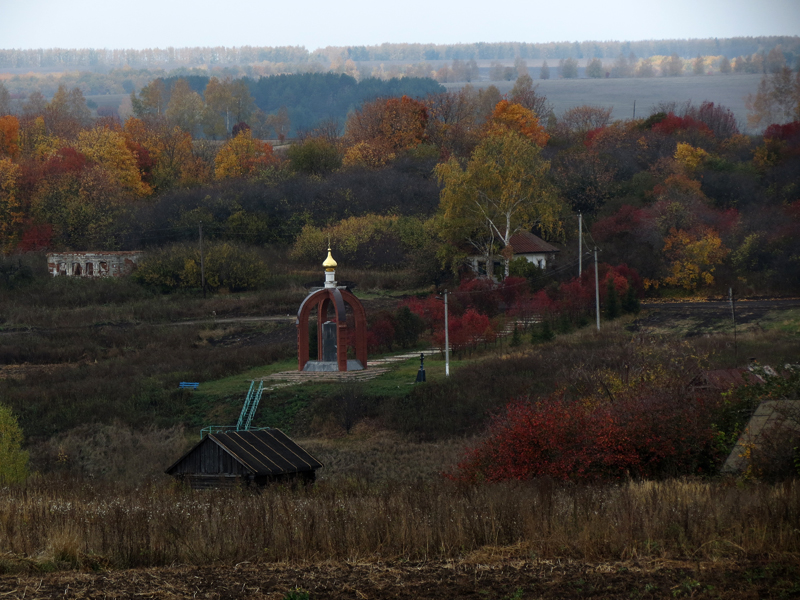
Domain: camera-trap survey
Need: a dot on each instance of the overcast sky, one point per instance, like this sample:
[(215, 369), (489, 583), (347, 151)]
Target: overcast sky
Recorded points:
[(316, 24)]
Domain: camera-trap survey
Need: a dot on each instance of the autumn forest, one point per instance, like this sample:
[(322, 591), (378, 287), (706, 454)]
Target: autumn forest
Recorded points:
[(682, 196)]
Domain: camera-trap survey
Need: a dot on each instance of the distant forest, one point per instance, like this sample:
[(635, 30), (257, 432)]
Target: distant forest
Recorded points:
[(312, 98), (206, 57)]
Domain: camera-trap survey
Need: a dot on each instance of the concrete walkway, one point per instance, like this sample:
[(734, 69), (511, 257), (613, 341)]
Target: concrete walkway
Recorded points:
[(375, 368), (769, 413)]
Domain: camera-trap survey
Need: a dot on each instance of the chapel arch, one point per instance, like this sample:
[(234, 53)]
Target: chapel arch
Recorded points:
[(337, 335)]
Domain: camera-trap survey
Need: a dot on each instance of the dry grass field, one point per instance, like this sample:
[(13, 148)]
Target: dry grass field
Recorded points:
[(680, 538)]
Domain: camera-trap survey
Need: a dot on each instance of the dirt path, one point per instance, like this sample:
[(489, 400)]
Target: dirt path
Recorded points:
[(699, 318), (482, 579)]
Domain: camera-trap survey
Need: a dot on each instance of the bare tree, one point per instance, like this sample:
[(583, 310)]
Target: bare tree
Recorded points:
[(524, 93)]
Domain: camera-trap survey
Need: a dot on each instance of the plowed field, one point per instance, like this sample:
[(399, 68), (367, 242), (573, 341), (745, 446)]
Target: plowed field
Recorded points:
[(488, 579)]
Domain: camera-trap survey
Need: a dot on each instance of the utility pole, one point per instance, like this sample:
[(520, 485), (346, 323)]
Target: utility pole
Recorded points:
[(202, 263), (446, 339), (634, 109), (580, 244), (733, 316), (596, 290)]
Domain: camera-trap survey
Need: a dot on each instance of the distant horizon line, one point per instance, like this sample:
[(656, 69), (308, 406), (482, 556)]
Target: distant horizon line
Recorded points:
[(303, 46)]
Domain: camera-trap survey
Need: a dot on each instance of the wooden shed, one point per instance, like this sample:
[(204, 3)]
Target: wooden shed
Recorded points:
[(245, 457), (723, 380)]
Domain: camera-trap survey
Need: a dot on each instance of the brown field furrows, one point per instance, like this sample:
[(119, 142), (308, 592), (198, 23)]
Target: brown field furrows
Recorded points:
[(490, 577)]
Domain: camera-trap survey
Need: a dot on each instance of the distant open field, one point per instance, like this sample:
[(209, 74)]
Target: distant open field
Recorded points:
[(620, 94)]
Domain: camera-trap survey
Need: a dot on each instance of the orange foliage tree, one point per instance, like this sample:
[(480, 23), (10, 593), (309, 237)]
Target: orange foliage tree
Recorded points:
[(9, 136), (243, 156), (384, 127), (508, 115)]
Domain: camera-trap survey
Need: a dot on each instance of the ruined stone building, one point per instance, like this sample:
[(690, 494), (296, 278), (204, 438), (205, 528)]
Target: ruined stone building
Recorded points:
[(92, 264)]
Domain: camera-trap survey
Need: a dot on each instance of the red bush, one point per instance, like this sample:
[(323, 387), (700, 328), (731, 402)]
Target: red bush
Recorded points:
[(511, 288), (430, 310), (466, 331), (644, 433), (380, 335), (626, 220), (591, 134), (790, 132), (672, 123), (481, 294)]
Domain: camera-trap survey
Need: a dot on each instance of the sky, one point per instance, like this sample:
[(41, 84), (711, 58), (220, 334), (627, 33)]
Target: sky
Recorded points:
[(317, 24)]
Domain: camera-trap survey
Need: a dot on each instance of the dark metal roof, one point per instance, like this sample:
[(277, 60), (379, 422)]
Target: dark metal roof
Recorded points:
[(725, 379), (265, 452)]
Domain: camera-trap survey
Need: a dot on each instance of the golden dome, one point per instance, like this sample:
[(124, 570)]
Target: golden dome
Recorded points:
[(329, 263)]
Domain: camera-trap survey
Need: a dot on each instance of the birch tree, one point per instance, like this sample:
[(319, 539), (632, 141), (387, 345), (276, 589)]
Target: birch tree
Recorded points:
[(502, 190)]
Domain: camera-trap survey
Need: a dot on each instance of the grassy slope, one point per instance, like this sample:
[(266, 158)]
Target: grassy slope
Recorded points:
[(100, 353)]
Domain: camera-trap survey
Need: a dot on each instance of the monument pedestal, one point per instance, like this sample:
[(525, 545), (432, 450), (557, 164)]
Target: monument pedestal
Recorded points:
[(332, 365)]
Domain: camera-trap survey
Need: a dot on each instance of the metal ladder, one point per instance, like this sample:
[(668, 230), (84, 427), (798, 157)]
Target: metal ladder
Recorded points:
[(250, 406)]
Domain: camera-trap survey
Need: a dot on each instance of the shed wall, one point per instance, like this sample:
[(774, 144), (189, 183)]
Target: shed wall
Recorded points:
[(209, 459)]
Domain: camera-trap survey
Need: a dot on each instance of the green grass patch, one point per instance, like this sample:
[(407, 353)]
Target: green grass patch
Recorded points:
[(785, 321)]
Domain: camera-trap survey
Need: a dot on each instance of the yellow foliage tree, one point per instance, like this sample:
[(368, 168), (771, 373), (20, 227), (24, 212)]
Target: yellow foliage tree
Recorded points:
[(35, 142), (169, 147), (10, 209), (693, 257), (366, 154), (86, 209), (243, 156), (107, 149), (347, 236), (185, 108), (690, 157)]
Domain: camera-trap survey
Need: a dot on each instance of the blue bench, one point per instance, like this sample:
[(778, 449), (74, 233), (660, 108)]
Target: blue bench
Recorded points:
[(186, 385)]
